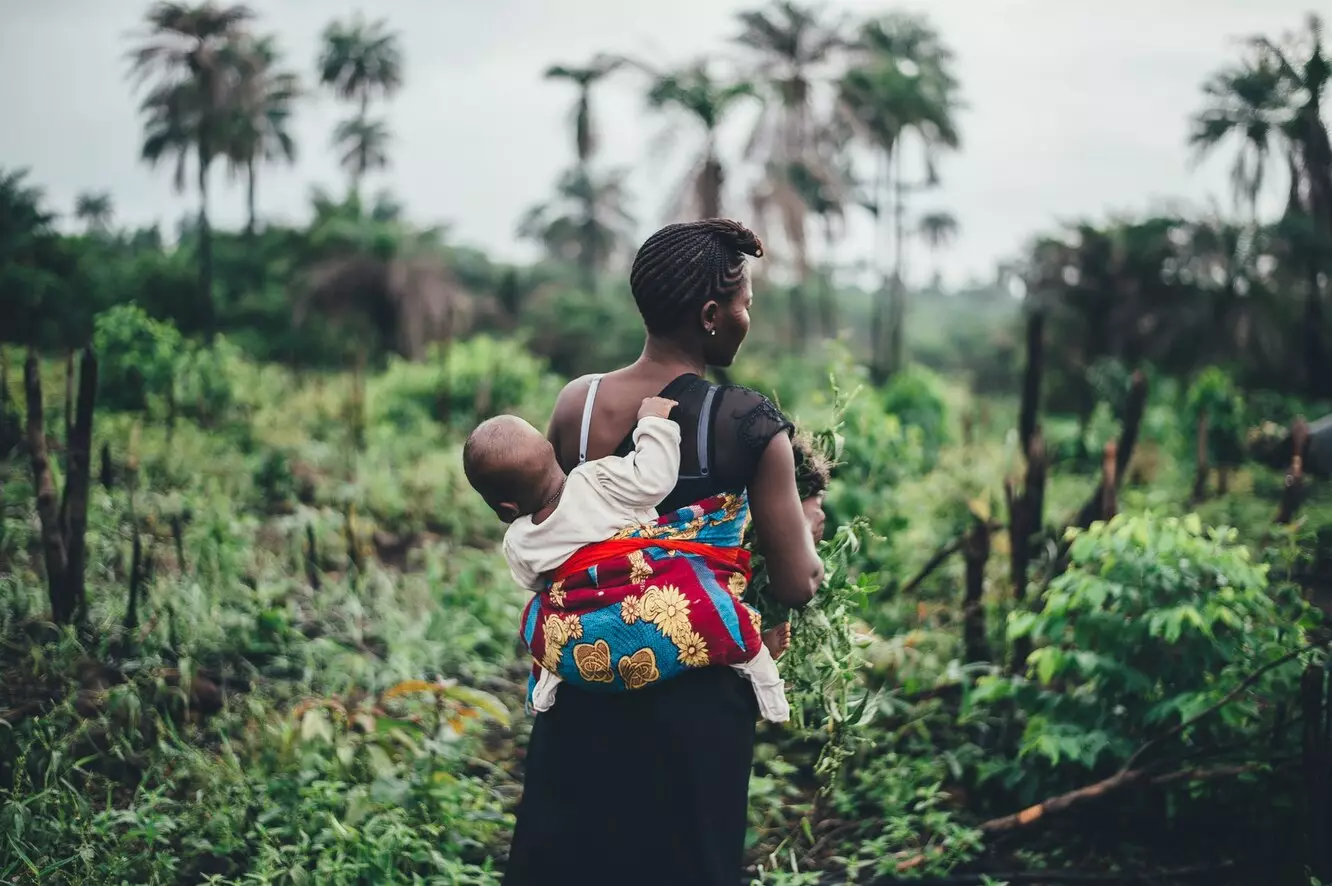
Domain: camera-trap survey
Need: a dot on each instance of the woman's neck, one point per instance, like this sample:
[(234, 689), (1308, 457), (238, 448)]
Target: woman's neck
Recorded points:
[(673, 356)]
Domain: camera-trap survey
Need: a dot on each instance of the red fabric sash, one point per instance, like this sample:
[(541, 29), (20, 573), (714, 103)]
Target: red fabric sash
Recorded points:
[(732, 559)]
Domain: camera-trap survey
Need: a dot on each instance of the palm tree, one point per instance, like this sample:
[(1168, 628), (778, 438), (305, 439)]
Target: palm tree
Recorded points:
[(1244, 105), (579, 183), (938, 229), (588, 222), (901, 84), (364, 146), (360, 59), (790, 43), (1275, 96), (94, 209), (183, 49), (259, 113), (584, 78), (707, 101)]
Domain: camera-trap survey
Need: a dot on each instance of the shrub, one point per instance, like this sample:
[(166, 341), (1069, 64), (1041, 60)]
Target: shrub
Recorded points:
[(1155, 620), (137, 358), (462, 384), (205, 381), (916, 397)]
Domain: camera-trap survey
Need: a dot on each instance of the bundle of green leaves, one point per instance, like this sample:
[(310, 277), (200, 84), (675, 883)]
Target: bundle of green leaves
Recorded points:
[(823, 666)]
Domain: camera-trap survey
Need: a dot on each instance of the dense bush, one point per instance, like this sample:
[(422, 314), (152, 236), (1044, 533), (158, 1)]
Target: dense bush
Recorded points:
[(916, 396), (138, 357), (1155, 621)]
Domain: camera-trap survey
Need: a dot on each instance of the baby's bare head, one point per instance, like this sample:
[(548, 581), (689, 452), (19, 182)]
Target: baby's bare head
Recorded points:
[(509, 463)]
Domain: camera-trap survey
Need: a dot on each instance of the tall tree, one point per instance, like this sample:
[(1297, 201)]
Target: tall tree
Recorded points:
[(581, 183), (938, 230), (184, 50), (1275, 95), (95, 210), (791, 44), (706, 100), (901, 83), (364, 146), (259, 113), (588, 221), (358, 61)]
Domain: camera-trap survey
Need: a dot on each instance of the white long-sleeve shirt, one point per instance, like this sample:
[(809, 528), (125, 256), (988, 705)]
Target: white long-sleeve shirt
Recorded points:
[(600, 499)]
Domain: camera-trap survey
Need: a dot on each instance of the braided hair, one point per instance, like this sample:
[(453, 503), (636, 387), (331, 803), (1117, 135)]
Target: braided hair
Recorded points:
[(683, 266)]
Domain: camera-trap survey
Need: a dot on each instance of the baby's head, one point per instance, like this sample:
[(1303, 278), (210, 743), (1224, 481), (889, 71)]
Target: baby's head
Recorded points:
[(512, 465)]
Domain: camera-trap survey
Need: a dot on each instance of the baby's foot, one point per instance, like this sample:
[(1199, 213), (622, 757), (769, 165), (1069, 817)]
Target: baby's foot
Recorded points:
[(778, 639)]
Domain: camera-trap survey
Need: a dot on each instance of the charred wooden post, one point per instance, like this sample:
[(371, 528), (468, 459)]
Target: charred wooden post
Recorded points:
[(48, 508), (1109, 481), (63, 519), (107, 472), (178, 539), (1200, 475), (69, 393), (976, 553), (1029, 412), (311, 558), (74, 505), (1026, 519), (1293, 494)]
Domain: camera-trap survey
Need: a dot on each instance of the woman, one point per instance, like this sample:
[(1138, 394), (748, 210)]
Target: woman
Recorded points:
[(651, 786)]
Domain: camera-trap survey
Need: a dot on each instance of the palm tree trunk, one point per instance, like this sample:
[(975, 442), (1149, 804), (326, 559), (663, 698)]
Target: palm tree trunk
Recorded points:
[(878, 365), (710, 185), (897, 356), (205, 242), (250, 176)]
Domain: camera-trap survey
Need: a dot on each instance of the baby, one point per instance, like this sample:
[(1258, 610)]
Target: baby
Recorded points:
[(551, 516)]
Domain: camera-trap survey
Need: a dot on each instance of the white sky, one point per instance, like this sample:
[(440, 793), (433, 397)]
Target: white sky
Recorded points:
[(1075, 109)]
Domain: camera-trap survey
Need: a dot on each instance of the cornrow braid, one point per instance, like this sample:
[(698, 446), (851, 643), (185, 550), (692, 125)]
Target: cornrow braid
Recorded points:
[(682, 266)]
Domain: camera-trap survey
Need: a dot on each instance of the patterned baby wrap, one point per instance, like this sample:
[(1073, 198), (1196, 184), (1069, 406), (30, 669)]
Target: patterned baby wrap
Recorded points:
[(651, 603)]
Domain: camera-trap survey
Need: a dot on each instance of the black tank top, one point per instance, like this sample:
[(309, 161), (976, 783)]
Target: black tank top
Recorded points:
[(723, 432)]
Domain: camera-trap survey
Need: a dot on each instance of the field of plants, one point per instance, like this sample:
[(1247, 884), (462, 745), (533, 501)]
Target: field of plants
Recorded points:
[(293, 657), (255, 627)]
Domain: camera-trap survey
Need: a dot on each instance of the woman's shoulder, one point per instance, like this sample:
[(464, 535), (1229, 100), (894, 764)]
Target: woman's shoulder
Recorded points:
[(751, 416), (569, 403)]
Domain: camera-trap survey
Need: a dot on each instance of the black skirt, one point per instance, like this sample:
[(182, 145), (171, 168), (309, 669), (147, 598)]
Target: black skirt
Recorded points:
[(644, 788)]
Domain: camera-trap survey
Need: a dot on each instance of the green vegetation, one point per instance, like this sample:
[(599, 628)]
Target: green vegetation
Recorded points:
[(254, 626)]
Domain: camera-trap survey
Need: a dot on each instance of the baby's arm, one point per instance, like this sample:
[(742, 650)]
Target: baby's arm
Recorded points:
[(647, 475), (521, 570)]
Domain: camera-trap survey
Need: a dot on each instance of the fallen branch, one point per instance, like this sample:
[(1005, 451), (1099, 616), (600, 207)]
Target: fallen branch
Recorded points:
[(937, 559), (1128, 775)]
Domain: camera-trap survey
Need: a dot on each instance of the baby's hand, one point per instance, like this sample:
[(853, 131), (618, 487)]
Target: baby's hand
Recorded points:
[(656, 407)]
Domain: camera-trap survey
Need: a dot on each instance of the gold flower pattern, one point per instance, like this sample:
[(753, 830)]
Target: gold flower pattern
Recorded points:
[(668, 609), (639, 669), (593, 661), (639, 570), (559, 630), (631, 609), (693, 649), (557, 594), (755, 619), (736, 584)]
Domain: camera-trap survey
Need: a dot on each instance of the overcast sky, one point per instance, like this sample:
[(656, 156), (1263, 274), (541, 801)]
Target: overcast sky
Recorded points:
[(1074, 109)]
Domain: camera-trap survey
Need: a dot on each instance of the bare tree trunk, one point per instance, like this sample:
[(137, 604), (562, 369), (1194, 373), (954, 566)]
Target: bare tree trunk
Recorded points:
[(1026, 518), (710, 182), (74, 505), (48, 509), (1031, 379)]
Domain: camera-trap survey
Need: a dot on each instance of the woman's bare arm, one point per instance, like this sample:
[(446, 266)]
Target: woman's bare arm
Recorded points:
[(794, 569)]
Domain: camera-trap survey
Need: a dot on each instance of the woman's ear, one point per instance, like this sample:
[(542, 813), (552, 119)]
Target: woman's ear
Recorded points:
[(708, 315)]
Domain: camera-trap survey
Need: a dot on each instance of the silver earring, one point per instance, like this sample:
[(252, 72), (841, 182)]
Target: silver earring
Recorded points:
[(712, 332)]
